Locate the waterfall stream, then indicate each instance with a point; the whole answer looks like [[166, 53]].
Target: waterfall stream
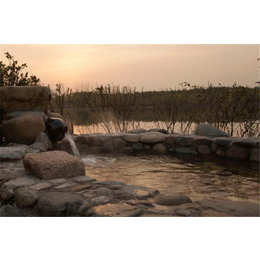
[[73, 145]]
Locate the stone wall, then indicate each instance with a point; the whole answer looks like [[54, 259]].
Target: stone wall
[[158, 143]]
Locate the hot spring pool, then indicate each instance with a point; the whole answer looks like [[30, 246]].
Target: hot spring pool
[[196, 178]]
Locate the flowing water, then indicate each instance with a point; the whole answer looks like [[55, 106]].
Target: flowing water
[[192, 177], [73, 145]]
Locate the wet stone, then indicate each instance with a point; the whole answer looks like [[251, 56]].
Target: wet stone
[[172, 199], [25, 197]]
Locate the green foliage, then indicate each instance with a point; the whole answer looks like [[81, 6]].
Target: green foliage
[[10, 74]]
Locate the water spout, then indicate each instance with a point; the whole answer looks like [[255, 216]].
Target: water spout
[[73, 145]]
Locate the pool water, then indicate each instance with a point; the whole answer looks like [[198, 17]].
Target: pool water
[[193, 177]]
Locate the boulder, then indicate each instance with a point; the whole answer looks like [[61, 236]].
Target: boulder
[[9, 211], [24, 98], [133, 138], [52, 165], [163, 131], [171, 199], [23, 129], [159, 148], [44, 139], [151, 137], [204, 149], [254, 156], [208, 130], [25, 197], [138, 146], [61, 204], [137, 131], [237, 152], [12, 153], [119, 143]]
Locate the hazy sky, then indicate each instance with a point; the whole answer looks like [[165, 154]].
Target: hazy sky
[[150, 66]]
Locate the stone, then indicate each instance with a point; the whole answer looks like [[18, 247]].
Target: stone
[[132, 138], [52, 165], [104, 138], [147, 147], [220, 152], [25, 197], [57, 181], [138, 146], [135, 192], [224, 141], [119, 143], [7, 189], [214, 147], [185, 140], [204, 149], [12, 153], [61, 204], [9, 211], [171, 199], [187, 150], [38, 146], [247, 142], [137, 131], [23, 129], [80, 187], [159, 148], [233, 208], [107, 147], [83, 179], [103, 191], [208, 130], [44, 139], [127, 150], [237, 152], [100, 200], [183, 212], [24, 98], [203, 141], [41, 186], [151, 137], [117, 210], [65, 185], [254, 156], [163, 131]]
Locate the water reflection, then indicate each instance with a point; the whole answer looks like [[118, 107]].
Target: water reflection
[[181, 175]]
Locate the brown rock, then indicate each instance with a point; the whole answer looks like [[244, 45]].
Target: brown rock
[[254, 156], [25, 197], [23, 129], [52, 165], [237, 152], [204, 149], [24, 98]]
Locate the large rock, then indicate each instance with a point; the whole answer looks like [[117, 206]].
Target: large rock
[[237, 152], [25, 197], [43, 138], [254, 156], [52, 165], [159, 148], [24, 98], [171, 199], [12, 153], [151, 137], [208, 130], [23, 129], [61, 204]]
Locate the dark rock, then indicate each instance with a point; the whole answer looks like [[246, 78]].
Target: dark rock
[[159, 148], [9, 211], [38, 146], [208, 130], [61, 204], [119, 144], [183, 212], [254, 156], [138, 146], [107, 147], [172, 199], [44, 139], [220, 152], [163, 131], [185, 140], [224, 141], [25, 197], [233, 208], [247, 142], [187, 150], [237, 152], [204, 149], [127, 150]]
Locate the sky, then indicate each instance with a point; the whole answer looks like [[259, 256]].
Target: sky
[[153, 67]]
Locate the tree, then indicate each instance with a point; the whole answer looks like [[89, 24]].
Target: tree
[[10, 74]]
